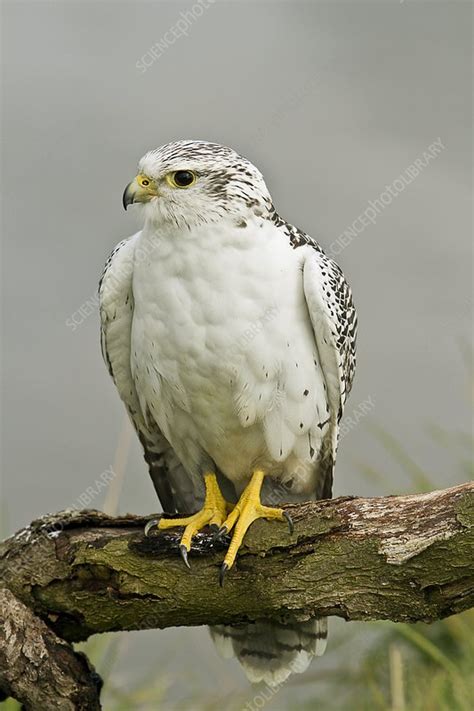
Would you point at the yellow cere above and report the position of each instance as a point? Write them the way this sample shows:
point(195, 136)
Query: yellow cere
point(143, 181)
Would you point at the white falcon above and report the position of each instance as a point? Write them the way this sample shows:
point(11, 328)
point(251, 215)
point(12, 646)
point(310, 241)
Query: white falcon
point(230, 337)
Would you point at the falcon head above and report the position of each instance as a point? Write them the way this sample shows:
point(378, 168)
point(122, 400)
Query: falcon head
point(188, 183)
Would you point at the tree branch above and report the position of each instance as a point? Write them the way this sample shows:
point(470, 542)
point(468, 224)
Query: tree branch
point(403, 558)
point(39, 669)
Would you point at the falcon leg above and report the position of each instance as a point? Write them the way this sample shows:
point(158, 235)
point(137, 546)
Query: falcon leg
point(247, 510)
point(213, 513)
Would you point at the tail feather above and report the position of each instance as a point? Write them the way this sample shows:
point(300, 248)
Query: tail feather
point(271, 651)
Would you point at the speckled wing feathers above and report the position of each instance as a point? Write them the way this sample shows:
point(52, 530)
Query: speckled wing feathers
point(334, 321)
point(336, 303)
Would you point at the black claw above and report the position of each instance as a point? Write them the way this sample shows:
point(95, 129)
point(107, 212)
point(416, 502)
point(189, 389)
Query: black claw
point(290, 522)
point(220, 533)
point(151, 524)
point(184, 554)
point(222, 572)
point(214, 529)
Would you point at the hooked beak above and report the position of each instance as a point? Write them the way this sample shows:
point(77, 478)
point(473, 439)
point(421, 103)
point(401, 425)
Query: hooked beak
point(137, 191)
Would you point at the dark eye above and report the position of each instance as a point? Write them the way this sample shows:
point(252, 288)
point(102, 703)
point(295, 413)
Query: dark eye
point(183, 178)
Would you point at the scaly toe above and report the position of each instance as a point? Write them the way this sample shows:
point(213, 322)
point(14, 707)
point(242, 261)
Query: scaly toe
point(248, 509)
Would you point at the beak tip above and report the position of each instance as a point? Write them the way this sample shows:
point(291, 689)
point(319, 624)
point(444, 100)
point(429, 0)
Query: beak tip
point(128, 196)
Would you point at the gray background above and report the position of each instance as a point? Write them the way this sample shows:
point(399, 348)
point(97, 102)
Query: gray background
point(332, 101)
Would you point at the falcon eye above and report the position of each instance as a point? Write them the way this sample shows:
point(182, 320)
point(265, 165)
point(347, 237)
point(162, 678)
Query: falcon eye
point(181, 178)
point(145, 182)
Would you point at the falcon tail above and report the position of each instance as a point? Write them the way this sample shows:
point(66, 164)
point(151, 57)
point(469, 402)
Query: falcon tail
point(271, 651)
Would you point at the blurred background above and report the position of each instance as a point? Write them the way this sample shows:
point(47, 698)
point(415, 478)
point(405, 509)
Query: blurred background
point(333, 101)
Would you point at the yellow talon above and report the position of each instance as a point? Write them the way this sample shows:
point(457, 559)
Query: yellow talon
point(213, 512)
point(217, 511)
point(247, 510)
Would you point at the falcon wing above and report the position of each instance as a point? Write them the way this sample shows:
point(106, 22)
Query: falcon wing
point(334, 320)
point(171, 482)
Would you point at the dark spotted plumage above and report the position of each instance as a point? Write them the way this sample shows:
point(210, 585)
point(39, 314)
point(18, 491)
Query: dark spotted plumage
point(338, 297)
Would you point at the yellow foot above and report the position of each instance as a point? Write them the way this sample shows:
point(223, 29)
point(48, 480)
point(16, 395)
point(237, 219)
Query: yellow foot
point(213, 513)
point(246, 511)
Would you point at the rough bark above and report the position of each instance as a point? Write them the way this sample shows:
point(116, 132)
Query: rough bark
point(37, 667)
point(404, 558)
